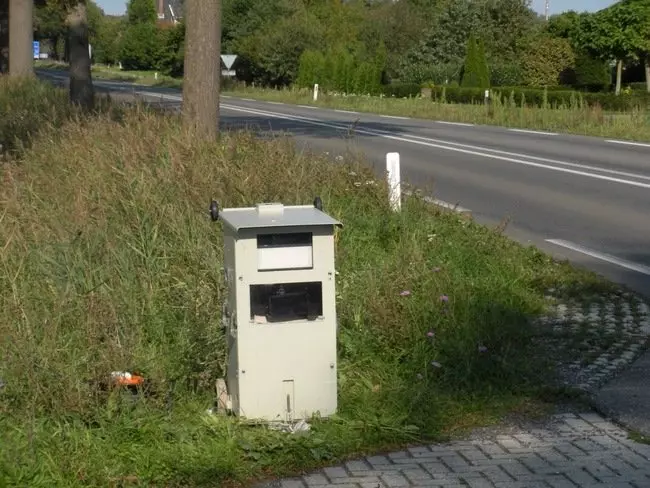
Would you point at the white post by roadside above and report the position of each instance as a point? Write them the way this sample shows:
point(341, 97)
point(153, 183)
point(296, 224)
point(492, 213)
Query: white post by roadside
point(394, 181)
point(315, 92)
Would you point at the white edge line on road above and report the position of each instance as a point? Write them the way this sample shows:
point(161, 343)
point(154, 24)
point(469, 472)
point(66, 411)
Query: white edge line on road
point(462, 124)
point(307, 106)
point(525, 131)
point(627, 143)
point(346, 112)
point(276, 103)
point(639, 268)
point(413, 140)
point(394, 117)
point(443, 204)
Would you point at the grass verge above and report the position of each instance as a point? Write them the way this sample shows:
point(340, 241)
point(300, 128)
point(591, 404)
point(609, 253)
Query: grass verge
point(108, 261)
point(590, 121)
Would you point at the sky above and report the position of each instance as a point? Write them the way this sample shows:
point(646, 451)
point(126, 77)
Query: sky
point(117, 7)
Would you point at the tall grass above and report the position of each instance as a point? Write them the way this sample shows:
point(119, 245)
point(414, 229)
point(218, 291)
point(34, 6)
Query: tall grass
point(574, 118)
point(108, 262)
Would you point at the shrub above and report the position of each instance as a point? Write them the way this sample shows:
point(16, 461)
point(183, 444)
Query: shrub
point(141, 47)
point(475, 71)
point(555, 97)
point(402, 90)
point(506, 74)
point(438, 74)
point(591, 74)
point(547, 61)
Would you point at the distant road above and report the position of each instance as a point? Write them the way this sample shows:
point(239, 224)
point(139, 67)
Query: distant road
point(583, 198)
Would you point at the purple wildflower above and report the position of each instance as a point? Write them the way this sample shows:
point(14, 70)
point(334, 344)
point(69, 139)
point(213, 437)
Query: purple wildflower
point(431, 333)
point(444, 298)
point(482, 348)
point(405, 293)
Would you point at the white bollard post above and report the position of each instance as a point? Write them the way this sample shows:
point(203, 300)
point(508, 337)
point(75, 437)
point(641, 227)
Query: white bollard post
point(315, 92)
point(394, 181)
point(155, 76)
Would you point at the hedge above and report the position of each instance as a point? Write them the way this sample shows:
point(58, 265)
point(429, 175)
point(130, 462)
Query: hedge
point(401, 90)
point(554, 98)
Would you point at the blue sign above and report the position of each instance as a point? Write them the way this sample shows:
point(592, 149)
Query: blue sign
point(37, 49)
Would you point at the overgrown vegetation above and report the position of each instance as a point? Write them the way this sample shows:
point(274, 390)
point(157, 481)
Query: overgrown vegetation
point(108, 262)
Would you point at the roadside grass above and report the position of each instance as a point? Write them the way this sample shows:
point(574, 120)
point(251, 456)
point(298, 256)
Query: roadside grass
point(109, 262)
point(590, 121)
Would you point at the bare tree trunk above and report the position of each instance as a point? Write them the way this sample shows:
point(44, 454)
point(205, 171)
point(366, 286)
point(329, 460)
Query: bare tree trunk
point(647, 71)
point(619, 76)
point(202, 67)
point(81, 83)
point(4, 36)
point(21, 36)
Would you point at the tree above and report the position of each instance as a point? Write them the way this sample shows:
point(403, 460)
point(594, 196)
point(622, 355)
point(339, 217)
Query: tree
point(20, 38)
point(202, 67)
point(475, 72)
point(620, 32)
point(141, 12)
point(81, 85)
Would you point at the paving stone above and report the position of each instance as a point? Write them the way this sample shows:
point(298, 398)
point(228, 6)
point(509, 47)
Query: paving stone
point(576, 451)
point(315, 480)
point(335, 472)
point(395, 480)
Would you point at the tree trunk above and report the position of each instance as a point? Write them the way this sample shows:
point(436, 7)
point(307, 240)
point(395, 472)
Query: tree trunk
point(21, 36)
point(647, 71)
point(81, 83)
point(202, 67)
point(619, 76)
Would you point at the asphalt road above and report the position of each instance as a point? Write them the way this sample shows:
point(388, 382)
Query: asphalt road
point(582, 198)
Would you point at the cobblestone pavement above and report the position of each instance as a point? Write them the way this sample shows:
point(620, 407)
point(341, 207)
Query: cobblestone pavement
point(568, 451)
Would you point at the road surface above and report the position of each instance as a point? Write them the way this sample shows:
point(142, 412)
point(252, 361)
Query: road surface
point(582, 198)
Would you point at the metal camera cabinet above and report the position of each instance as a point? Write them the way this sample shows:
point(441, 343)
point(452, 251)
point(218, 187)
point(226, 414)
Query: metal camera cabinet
point(280, 311)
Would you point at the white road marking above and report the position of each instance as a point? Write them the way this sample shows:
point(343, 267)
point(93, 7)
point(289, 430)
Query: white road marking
point(639, 268)
point(462, 124)
point(346, 112)
point(394, 117)
point(462, 148)
point(307, 106)
point(525, 131)
point(247, 99)
point(276, 103)
point(628, 143)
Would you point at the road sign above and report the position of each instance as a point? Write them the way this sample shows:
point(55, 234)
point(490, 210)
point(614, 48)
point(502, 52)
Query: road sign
point(228, 60)
point(228, 72)
point(37, 49)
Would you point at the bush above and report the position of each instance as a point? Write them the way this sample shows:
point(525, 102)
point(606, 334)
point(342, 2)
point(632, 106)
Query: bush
point(548, 61)
point(438, 74)
point(402, 90)
point(475, 73)
point(141, 48)
point(506, 74)
point(172, 53)
point(591, 74)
